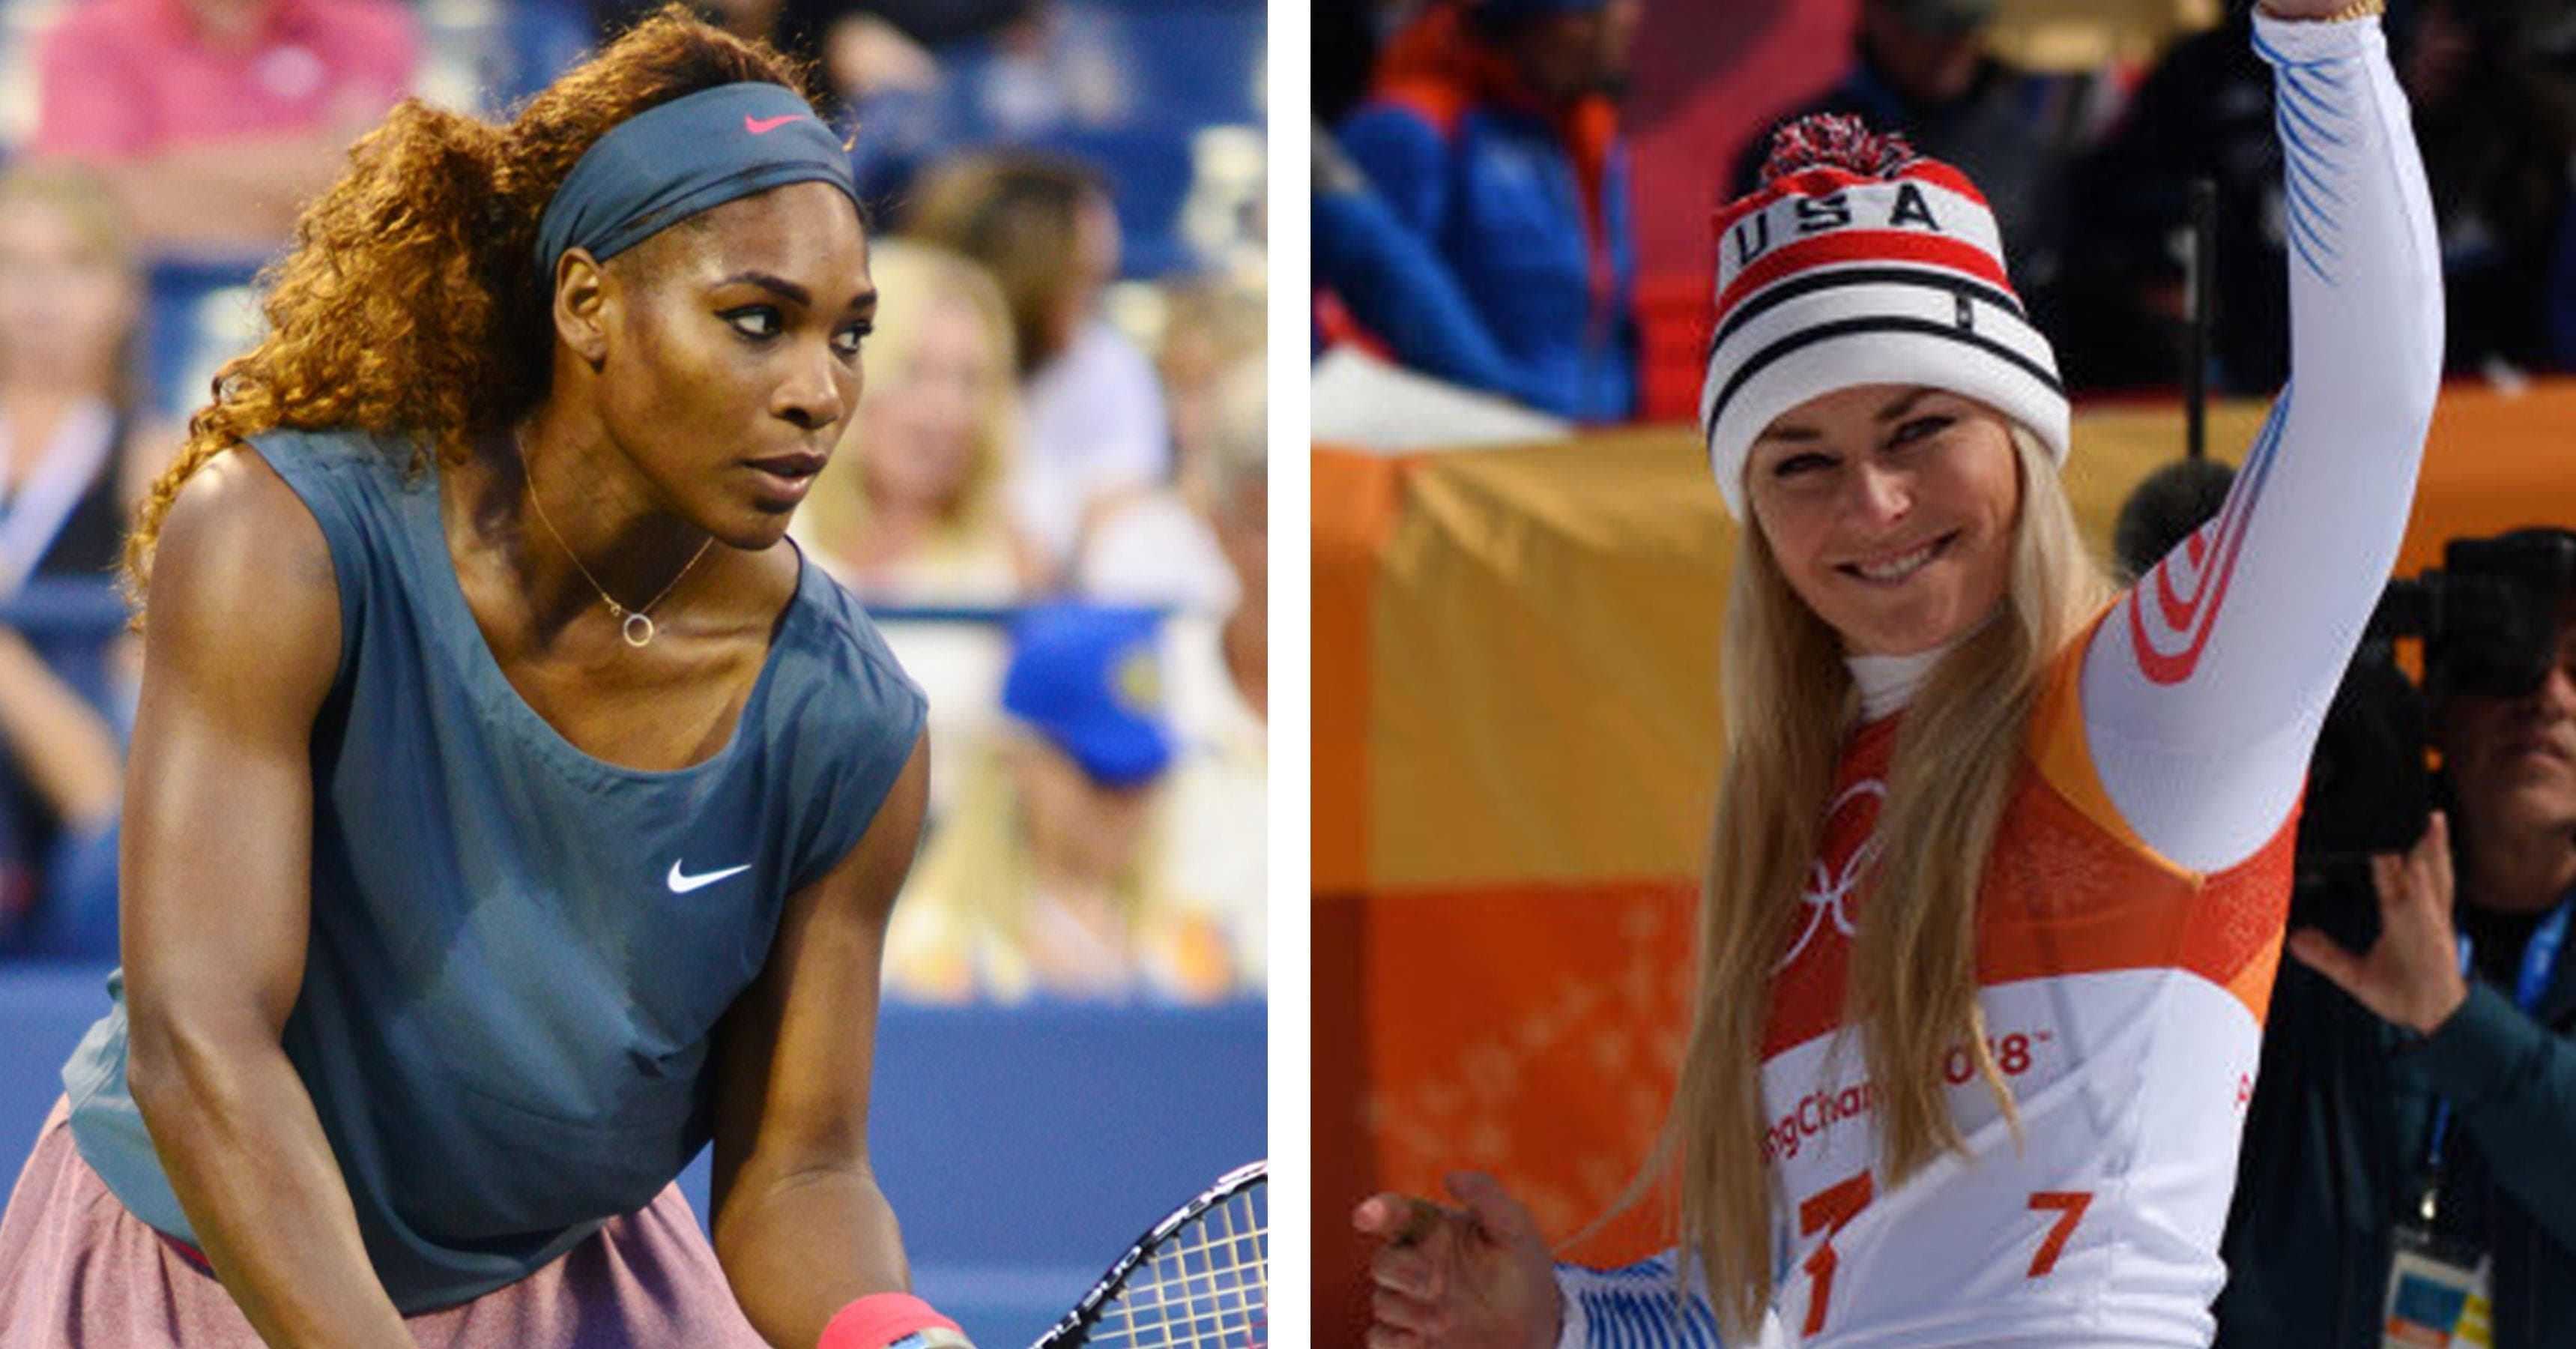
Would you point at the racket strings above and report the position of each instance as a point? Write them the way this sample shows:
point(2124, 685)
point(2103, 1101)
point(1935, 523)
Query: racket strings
point(1207, 1286)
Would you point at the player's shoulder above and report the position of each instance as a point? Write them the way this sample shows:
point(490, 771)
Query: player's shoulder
point(239, 506)
point(839, 719)
point(313, 506)
point(833, 646)
point(243, 577)
point(338, 449)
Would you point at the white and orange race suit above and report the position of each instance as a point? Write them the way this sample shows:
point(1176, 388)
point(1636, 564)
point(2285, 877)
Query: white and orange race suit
point(2131, 915)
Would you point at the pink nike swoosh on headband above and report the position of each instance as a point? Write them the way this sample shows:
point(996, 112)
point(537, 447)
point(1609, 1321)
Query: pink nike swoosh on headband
point(762, 126)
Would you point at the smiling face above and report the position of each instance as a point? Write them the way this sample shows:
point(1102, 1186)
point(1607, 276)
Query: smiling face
point(1891, 510)
point(727, 351)
point(2512, 761)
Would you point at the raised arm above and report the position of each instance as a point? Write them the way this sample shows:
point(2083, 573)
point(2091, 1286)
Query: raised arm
point(2204, 687)
point(217, 906)
point(800, 1226)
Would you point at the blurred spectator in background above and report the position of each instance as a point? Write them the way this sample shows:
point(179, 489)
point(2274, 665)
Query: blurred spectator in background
point(1493, 135)
point(64, 774)
point(2499, 138)
point(1047, 879)
point(938, 23)
point(215, 120)
point(2498, 129)
point(1346, 39)
point(1094, 433)
point(1157, 548)
point(853, 46)
point(73, 458)
point(2204, 112)
point(1376, 279)
point(1221, 687)
point(1921, 67)
point(794, 27)
point(1211, 326)
point(915, 79)
point(911, 510)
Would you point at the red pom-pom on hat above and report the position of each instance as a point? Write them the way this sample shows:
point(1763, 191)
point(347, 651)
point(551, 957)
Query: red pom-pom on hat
point(1830, 140)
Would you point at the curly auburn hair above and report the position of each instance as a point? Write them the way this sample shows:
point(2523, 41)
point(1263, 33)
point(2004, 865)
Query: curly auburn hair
point(411, 301)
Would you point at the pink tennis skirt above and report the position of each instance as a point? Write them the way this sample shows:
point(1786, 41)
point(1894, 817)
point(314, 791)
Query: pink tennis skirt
point(79, 1272)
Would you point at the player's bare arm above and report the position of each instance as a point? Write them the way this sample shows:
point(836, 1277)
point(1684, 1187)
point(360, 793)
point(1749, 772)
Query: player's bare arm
point(799, 1223)
point(244, 644)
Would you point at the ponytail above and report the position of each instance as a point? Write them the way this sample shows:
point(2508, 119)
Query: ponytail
point(410, 303)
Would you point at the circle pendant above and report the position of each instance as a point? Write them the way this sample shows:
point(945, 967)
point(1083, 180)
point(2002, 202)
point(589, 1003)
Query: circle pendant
point(639, 630)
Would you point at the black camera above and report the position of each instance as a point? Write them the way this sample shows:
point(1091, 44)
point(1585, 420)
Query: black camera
point(2488, 622)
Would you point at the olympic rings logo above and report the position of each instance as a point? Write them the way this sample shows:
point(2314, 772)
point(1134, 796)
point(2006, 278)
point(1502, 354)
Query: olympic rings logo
point(1830, 884)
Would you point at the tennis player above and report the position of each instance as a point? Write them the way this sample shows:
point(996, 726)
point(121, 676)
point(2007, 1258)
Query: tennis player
point(2000, 863)
point(509, 815)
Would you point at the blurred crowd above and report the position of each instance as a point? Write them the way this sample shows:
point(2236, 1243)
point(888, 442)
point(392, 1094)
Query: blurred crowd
point(1475, 219)
point(1052, 493)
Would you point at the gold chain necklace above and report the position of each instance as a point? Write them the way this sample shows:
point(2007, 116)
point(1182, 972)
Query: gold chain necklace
point(636, 625)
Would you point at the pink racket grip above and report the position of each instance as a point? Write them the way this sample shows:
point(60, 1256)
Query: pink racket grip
point(889, 1320)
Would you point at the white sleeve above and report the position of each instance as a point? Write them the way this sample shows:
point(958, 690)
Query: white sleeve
point(1637, 1306)
point(2204, 687)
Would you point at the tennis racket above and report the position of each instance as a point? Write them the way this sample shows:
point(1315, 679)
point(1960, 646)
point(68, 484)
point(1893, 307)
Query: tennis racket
point(1200, 1279)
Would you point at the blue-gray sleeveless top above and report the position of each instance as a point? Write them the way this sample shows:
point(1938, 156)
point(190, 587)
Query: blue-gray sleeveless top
point(517, 959)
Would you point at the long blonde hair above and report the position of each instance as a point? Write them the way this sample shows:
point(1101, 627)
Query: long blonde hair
point(913, 280)
point(1789, 703)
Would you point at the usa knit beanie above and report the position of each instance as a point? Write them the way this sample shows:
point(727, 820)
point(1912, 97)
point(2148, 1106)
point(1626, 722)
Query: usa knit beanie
point(1858, 261)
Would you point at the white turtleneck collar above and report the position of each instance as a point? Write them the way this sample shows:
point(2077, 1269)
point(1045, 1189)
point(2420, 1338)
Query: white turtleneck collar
point(1888, 683)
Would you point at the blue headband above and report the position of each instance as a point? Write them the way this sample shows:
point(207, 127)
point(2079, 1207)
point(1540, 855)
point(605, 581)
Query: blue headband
point(689, 155)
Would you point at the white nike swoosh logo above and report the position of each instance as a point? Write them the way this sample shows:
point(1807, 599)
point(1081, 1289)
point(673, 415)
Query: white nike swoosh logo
point(682, 884)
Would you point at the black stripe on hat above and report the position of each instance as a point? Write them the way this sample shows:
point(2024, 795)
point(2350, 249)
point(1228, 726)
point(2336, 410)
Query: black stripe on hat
point(1884, 323)
point(1808, 283)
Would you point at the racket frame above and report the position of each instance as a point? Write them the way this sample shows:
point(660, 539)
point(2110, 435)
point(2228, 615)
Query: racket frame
point(1075, 1327)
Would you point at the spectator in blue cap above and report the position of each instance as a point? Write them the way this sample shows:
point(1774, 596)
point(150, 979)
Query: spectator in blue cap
point(1492, 135)
point(1085, 679)
point(1048, 878)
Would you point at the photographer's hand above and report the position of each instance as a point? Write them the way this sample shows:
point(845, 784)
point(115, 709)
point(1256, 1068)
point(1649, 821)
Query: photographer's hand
point(2412, 975)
